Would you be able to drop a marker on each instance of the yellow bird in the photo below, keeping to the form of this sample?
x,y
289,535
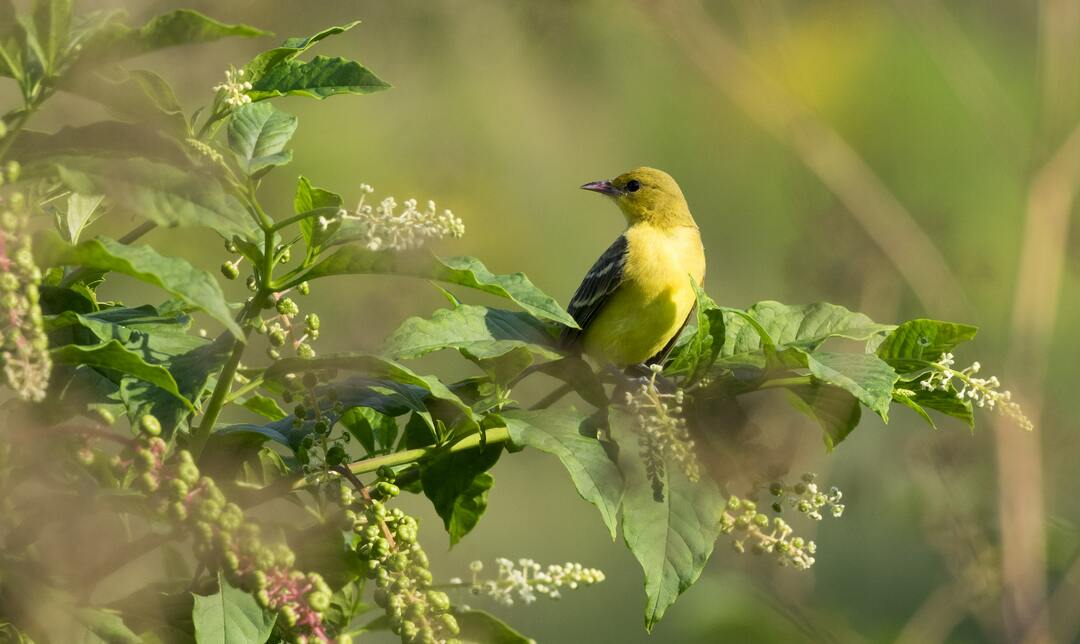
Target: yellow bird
x,y
637,297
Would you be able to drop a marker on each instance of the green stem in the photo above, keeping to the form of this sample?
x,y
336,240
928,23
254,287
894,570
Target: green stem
x,y
218,398
325,210
792,381
247,388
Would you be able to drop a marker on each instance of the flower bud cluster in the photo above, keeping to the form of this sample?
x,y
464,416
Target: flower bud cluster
x,y
805,497
235,87
982,392
281,330
398,566
752,529
24,348
386,229
527,579
225,540
663,435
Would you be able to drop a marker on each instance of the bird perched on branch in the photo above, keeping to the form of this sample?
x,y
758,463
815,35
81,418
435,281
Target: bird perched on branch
x,y
637,297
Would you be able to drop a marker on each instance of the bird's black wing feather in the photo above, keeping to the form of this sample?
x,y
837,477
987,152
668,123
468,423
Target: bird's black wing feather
x,y
602,280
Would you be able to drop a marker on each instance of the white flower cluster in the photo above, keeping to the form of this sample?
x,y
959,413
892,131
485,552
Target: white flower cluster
x,y
753,528
205,150
528,579
983,392
235,88
387,229
805,497
662,431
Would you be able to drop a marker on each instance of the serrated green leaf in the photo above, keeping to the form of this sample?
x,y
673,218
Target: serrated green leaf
x,y
463,271
176,276
481,331
258,134
230,616
479,627
913,344
457,485
671,538
834,409
113,356
321,77
164,194
559,433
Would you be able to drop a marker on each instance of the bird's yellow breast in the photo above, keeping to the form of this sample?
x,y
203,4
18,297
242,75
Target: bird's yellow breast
x,y
655,298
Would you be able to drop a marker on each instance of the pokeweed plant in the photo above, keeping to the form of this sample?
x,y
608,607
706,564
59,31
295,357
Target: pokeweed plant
x,y
113,430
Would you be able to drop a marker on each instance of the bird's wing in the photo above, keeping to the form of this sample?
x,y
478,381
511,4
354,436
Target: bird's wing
x,y
602,280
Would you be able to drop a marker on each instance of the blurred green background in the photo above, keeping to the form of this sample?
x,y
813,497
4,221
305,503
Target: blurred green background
x,y
907,158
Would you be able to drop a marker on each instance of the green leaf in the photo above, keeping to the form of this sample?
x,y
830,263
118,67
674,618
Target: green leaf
x,y
106,625
946,402
258,134
291,48
374,430
671,538
308,198
801,326
457,485
52,22
79,214
482,331
914,344
692,358
559,433
319,78
463,271
865,376
87,143
182,27
191,285
113,356
479,627
164,194
577,373
834,409
138,95
231,616
265,407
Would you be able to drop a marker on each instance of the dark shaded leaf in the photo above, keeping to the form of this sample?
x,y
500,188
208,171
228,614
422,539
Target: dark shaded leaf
x,y
915,343
835,410
457,485
113,356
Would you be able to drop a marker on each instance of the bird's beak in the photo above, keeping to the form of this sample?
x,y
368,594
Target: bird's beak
x,y
604,187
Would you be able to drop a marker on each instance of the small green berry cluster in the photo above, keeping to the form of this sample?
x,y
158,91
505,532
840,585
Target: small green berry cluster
x,y
805,497
752,528
224,539
281,330
24,348
387,541
321,450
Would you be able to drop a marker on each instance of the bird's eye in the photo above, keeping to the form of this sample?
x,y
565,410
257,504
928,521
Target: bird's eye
x,y
633,185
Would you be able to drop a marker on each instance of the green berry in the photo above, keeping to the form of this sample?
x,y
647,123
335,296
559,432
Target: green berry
x,y
230,271
304,288
150,425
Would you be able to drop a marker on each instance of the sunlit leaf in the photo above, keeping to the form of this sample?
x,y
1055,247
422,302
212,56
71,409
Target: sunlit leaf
x,y
113,356
230,616
482,331
258,134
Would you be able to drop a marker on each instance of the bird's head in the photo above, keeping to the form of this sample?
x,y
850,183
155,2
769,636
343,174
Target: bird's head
x,y
646,195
